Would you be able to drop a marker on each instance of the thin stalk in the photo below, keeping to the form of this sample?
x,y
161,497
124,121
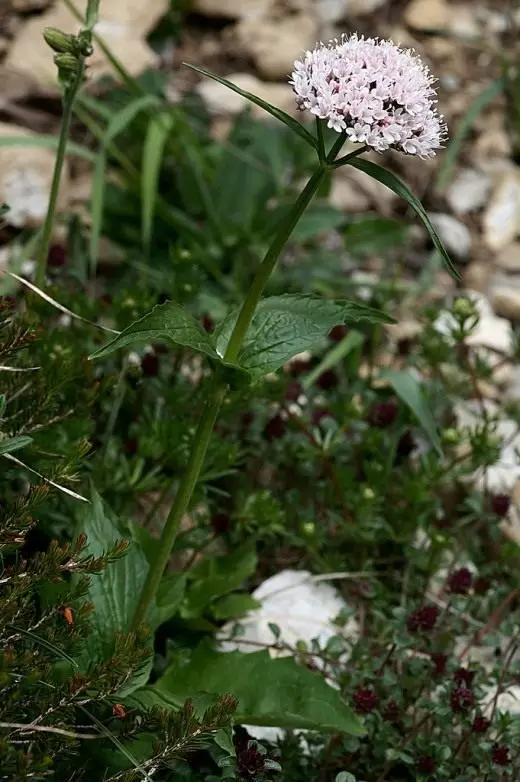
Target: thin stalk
x,y
204,431
69,96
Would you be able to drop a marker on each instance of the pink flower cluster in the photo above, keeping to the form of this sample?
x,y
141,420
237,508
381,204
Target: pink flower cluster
x,y
376,93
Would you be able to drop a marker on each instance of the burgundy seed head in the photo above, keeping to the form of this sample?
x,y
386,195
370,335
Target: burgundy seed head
x,y
338,333
392,712
480,724
439,661
500,504
57,256
463,676
422,619
328,380
365,700
150,365
130,446
220,523
207,322
461,699
405,446
275,428
500,755
249,761
383,414
459,582
426,765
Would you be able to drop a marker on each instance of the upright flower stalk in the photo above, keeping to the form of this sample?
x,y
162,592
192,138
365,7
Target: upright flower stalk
x,y
369,92
72,52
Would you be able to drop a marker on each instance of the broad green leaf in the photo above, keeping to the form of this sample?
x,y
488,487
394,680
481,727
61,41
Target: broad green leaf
x,y
218,576
114,592
286,325
411,392
14,443
277,693
47,142
398,187
234,606
117,124
92,14
454,147
158,131
349,343
291,123
373,234
167,322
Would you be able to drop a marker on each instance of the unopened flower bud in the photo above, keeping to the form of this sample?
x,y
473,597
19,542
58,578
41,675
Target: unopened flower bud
x,y
60,42
67,63
451,436
464,308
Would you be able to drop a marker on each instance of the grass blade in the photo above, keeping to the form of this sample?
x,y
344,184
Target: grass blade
x,y
411,392
349,343
47,142
158,131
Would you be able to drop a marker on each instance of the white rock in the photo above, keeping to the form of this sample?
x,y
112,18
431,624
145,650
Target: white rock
x,y
463,21
508,702
364,7
220,100
331,11
501,221
274,44
506,302
122,25
304,609
25,179
454,234
233,9
427,14
509,258
469,191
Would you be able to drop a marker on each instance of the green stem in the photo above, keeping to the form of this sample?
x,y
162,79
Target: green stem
x,y
69,96
209,416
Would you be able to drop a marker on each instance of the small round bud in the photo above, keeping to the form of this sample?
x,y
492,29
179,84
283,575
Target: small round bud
x,y
58,41
451,436
67,63
464,308
309,528
368,494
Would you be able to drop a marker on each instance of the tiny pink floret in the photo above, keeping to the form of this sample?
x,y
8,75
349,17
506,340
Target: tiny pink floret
x,y
375,92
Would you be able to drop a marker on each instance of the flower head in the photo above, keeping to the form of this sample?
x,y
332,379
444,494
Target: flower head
x,y
375,92
422,619
461,699
460,581
365,700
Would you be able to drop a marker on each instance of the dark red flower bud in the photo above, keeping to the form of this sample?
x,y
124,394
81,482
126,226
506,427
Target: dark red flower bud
x,y
405,446
275,428
383,414
481,585
57,256
392,712
439,661
338,333
364,700
426,765
500,755
131,446
459,582
463,676
328,380
422,619
207,322
461,699
150,365
500,504
480,724
220,523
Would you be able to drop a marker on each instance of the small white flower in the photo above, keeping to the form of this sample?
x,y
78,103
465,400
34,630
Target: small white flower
x,y
379,94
